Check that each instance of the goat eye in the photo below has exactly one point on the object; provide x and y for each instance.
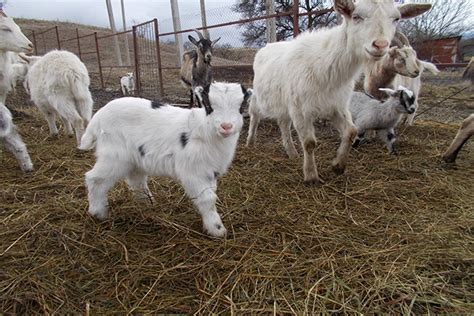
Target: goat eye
(357, 18)
(5, 29)
(396, 20)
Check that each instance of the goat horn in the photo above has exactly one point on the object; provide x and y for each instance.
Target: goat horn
(199, 34)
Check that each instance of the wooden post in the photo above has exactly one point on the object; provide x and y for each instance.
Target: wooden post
(78, 44)
(177, 27)
(204, 19)
(158, 52)
(34, 43)
(296, 12)
(57, 37)
(138, 86)
(114, 30)
(98, 61)
(270, 23)
(125, 36)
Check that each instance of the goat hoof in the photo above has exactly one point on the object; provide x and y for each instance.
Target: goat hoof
(218, 230)
(449, 159)
(314, 182)
(338, 169)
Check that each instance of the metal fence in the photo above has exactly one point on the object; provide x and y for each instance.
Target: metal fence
(154, 56)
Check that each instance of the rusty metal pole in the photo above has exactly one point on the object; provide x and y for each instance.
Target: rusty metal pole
(98, 61)
(78, 44)
(158, 53)
(34, 43)
(57, 36)
(138, 86)
(296, 12)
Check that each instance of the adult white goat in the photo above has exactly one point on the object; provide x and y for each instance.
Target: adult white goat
(466, 130)
(313, 76)
(12, 41)
(127, 83)
(135, 138)
(59, 84)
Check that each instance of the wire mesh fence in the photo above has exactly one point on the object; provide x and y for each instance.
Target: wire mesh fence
(152, 52)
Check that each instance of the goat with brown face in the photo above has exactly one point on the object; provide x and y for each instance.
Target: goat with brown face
(196, 66)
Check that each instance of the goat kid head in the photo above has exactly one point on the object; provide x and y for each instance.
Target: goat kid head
(405, 61)
(406, 98)
(11, 37)
(204, 46)
(370, 24)
(223, 103)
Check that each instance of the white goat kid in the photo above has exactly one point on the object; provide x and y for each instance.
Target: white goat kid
(414, 84)
(59, 84)
(371, 114)
(313, 76)
(12, 140)
(135, 138)
(127, 83)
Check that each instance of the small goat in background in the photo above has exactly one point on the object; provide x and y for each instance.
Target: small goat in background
(196, 65)
(127, 83)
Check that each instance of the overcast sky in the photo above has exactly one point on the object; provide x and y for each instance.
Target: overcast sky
(94, 12)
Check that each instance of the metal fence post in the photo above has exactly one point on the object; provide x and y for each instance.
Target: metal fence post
(158, 53)
(34, 43)
(98, 61)
(78, 44)
(137, 63)
(296, 15)
(57, 37)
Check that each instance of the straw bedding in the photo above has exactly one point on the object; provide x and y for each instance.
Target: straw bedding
(394, 234)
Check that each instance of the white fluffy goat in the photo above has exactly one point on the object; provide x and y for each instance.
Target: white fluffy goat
(59, 84)
(313, 75)
(135, 138)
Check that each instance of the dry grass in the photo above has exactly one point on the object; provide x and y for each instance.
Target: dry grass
(392, 235)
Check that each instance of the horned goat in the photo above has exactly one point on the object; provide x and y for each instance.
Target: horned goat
(59, 84)
(196, 67)
(127, 83)
(466, 130)
(371, 114)
(380, 74)
(312, 76)
(135, 138)
(12, 41)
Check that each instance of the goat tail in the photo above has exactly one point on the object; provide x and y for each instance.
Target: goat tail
(80, 90)
(430, 67)
(89, 139)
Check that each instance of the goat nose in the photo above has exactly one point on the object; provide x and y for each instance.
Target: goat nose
(380, 44)
(226, 126)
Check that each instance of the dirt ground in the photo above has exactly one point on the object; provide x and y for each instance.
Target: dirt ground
(394, 234)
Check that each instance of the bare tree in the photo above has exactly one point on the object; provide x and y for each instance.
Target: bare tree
(445, 19)
(254, 32)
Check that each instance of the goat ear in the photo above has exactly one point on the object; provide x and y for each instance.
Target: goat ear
(193, 40)
(215, 41)
(393, 52)
(247, 93)
(410, 10)
(344, 7)
(202, 95)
